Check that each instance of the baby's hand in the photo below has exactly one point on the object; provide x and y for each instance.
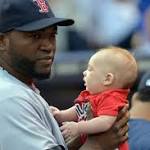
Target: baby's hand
(54, 110)
(69, 130)
(56, 113)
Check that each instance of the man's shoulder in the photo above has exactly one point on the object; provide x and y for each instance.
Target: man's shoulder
(139, 134)
(141, 143)
(139, 123)
(10, 90)
(139, 127)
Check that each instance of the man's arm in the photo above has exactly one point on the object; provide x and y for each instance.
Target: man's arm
(108, 140)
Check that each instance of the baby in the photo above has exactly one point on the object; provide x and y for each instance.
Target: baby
(110, 74)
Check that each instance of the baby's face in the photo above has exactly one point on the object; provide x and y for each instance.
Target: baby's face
(111, 68)
(94, 76)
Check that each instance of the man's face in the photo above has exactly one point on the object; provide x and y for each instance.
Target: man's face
(32, 53)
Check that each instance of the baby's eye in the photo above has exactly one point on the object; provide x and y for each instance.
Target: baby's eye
(89, 69)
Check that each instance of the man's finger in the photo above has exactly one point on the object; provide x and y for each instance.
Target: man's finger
(123, 133)
(123, 111)
(123, 120)
(124, 130)
(124, 138)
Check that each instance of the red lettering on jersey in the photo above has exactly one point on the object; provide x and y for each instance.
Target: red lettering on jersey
(42, 5)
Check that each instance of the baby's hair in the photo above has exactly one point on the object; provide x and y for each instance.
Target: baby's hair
(128, 65)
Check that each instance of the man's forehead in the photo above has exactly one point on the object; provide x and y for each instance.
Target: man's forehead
(48, 29)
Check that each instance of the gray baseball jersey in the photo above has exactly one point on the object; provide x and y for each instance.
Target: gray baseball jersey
(25, 121)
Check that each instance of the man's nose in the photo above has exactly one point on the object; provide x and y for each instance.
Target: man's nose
(47, 44)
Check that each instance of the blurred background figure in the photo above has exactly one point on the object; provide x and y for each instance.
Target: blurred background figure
(112, 22)
(141, 38)
(139, 124)
(98, 24)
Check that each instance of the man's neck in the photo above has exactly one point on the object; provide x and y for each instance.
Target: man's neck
(19, 76)
(140, 110)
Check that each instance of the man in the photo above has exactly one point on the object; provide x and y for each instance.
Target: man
(139, 124)
(27, 48)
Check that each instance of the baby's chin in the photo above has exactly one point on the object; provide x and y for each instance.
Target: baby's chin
(86, 88)
(93, 92)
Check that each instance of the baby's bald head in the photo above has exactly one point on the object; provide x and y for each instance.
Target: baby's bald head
(120, 63)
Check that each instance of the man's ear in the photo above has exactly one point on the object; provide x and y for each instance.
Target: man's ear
(109, 78)
(3, 42)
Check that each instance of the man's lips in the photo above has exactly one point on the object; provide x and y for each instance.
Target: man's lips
(46, 60)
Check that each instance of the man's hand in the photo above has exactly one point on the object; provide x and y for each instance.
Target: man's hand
(120, 126)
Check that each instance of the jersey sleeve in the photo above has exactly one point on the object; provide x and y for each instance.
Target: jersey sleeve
(109, 105)
(82, 97)
(23, 128)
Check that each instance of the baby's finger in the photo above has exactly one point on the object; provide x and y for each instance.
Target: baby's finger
(65, 135)
(64, 123)
(64, 126)
(68, 139)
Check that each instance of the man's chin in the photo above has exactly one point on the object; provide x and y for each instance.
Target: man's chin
(42, 76)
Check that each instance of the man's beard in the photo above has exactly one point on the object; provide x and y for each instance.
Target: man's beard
(27, 68)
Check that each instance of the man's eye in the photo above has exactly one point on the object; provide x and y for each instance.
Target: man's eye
(36, 36)
(53, 35)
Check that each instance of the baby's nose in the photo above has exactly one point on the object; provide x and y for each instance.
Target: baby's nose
(84, 73)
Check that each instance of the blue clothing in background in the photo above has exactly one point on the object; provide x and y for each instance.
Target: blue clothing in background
(143, 6)
(139, 134)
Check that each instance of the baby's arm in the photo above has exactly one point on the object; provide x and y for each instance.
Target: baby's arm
(64, 115)
(95, 125)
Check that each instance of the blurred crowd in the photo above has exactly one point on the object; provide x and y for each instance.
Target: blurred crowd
(101, 23)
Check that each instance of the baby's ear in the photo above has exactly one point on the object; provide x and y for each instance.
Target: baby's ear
(109, 78)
